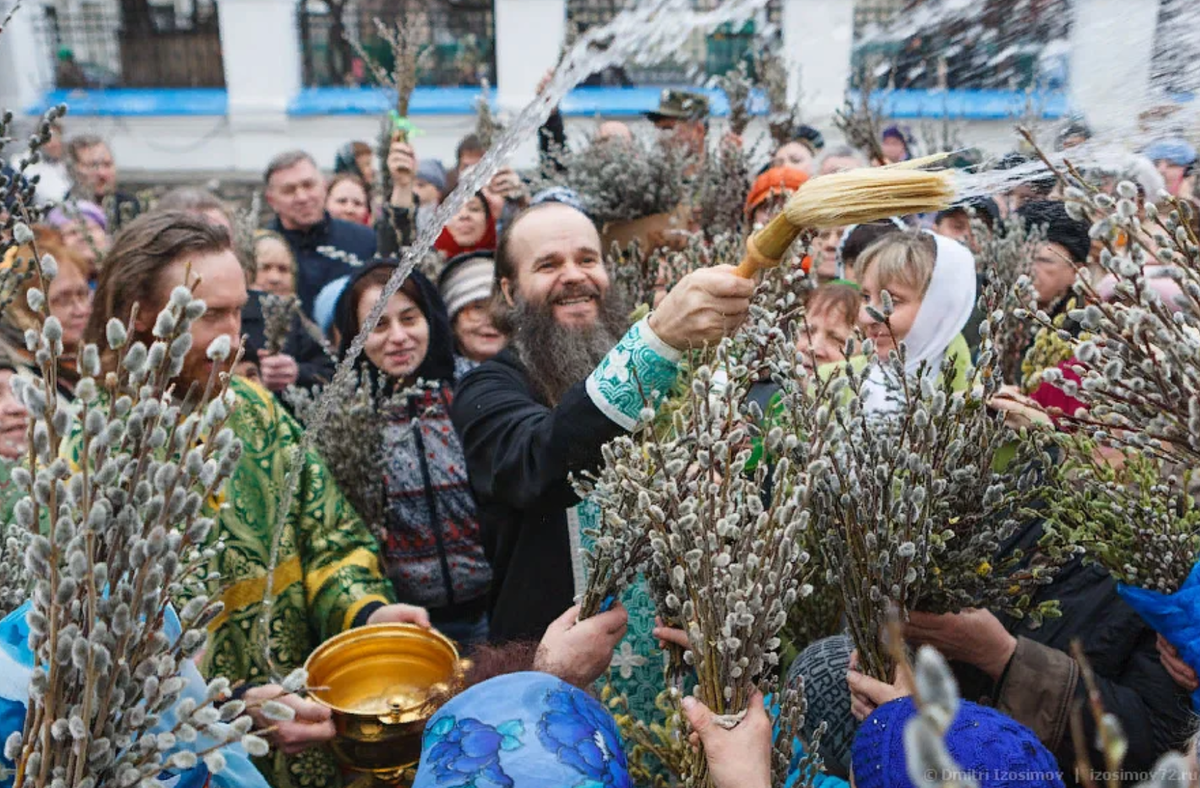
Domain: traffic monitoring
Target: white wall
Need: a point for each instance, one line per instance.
(202, 148)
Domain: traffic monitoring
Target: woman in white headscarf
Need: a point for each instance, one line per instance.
(931, 282)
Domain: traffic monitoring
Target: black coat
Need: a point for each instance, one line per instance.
(316, 367)
(315, 270)
(519, 453)
(1041, 685)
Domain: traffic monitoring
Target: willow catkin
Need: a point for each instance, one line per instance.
(867, 195)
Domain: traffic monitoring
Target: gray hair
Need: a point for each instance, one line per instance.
(81, 141)
(192, 199)
(286, 160)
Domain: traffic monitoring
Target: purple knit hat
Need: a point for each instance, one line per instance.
(995, 749)
(70, 213)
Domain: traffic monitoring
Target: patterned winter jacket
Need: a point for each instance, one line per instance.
(432, 548)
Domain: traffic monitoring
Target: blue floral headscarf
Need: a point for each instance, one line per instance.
(519, 731)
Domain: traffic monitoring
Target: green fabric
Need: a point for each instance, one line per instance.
(637, 665)
(328, 566)
(641, 370)
(322, 531)
(641, 367)
(9, 494)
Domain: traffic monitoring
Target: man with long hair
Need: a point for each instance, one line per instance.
(328, 576)
(574, 376)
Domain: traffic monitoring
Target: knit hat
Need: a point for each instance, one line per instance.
(522, 729)
(985, 208)
(465, 279)
(901, 133)
(823, 666)
(561, 194)
(69, 214)
(432, 172)
(1061, 229)
(1175, 150)
(994, 749)
(773, 183)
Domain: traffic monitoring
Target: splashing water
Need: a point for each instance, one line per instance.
(1174, 75)
(641, 35)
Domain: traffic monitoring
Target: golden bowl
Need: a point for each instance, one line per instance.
(378, 680)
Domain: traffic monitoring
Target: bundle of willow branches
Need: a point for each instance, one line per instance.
(622, 180)
(719, 544)
(114, 527)
(1124, 492)
(914, 504)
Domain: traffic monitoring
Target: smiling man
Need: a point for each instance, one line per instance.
(574, 376)
(295, 190)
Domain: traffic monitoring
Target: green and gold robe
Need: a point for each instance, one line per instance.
(327, 573)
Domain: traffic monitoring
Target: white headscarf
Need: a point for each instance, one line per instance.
(944, 312)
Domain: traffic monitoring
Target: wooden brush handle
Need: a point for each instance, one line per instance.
(765, 249)
(753, 261)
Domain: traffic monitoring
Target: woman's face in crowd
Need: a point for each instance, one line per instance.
(894, 148)
(825, 339)
(793, 155)
(348, 201)
(906, 303)
(274, 261)
(825, 253)
(470, 224)
(1053, 273)
(366, 166)
(427, 193)
(766, 211)
(70, 300)
(14, 420)
(86, 238)
(478, 338)
(401, 339)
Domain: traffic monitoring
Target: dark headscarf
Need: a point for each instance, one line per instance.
(439, 356)
(345, 160)
(1071, 234)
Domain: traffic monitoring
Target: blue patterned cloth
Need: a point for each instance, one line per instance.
(1175, 616)
(520, 731)
(635, 374)
(16, 666)
(638, 373)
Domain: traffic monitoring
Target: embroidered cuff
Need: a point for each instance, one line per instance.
(637, 373)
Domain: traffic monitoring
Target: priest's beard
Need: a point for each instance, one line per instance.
(557, 357)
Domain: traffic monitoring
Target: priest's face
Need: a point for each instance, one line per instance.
(556, 254)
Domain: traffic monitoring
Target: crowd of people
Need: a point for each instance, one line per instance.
(508, 365)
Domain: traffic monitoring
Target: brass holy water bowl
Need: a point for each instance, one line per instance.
(380, 682)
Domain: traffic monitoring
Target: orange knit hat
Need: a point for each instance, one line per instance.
(772, 183)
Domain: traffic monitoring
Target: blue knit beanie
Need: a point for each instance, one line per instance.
(996, 750)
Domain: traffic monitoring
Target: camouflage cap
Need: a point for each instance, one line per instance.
(680, 105)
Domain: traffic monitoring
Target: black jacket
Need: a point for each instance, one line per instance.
(519, 453)
(315, 270)
(1042, 682)
(316, 367)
